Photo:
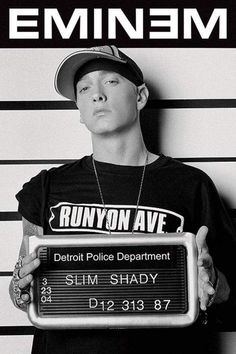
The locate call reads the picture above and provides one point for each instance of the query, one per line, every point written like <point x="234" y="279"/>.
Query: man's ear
<point x="142" y="96"/>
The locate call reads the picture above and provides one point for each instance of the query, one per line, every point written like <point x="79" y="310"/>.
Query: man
<point x="109" y="91"/>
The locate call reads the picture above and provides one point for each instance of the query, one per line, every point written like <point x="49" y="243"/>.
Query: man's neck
<point x="120" y="151"/>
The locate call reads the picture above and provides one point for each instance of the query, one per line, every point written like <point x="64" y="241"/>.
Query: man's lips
<point x="100" y="111"/>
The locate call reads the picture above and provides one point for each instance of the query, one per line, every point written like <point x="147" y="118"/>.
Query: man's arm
<point x="30" y="262"/>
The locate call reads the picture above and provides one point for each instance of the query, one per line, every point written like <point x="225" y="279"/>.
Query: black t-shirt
<point x="174" y="198"/>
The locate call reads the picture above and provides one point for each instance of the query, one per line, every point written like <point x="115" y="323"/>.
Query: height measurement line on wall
<point x="63" y="161"/>
<point x="169" y="103"/>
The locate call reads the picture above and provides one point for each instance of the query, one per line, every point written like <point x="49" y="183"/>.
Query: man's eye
<point x="112" y="81"/>
<point x="83" y="89"/>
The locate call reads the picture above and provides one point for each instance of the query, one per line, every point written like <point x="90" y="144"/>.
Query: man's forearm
<point x="29" y="229"/>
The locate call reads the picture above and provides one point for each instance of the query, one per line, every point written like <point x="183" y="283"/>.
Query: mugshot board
<point x="190" y="114"/>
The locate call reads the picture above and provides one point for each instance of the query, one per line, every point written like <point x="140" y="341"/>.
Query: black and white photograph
<point x="117" y="183"/>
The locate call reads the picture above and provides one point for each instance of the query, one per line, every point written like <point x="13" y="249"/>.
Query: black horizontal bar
<point x="37" y="105"/>
<point x="10" y="216"/>
<point x="206" y="159"/>
<point x="6" y="274"/>
<point x="157" y="103"/>
<point x="63" y="161"/>
<point x="16" y="330"/>
<point x="35" y="162"/>
<point x="192" y="103"/>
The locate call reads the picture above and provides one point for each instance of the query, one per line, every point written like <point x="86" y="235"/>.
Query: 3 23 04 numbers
<point x="45" y="292"/>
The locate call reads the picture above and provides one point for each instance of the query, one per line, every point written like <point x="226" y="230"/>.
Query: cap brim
<point x="64" y="78"/>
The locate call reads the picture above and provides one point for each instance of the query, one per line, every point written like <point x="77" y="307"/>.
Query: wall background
<point x="191" y="116"/>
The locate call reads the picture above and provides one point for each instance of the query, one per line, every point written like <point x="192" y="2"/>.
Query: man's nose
<point x="99" y="95"/>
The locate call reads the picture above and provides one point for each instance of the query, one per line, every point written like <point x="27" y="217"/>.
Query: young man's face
<point x="107" y="102"/>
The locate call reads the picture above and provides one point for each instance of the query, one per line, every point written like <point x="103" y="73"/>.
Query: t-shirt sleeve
<point x="32" y="198"/>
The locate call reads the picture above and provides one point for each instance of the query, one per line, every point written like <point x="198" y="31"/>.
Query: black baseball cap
<point x="71" y="65"/>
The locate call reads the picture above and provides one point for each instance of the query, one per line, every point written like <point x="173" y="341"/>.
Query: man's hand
<point x="29" y="264"/>
<point x="206" y="271"/>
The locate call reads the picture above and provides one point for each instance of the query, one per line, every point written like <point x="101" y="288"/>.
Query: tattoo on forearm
<point x="31" y="229"/>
